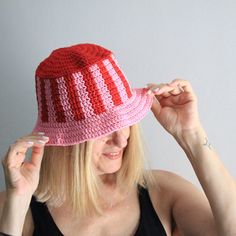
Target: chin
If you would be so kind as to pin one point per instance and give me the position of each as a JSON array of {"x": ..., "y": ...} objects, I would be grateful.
[
  {"x": 109, "y": 166},
  {"x": 110, "y": 170},
  {"x": 113, "y": 171}
]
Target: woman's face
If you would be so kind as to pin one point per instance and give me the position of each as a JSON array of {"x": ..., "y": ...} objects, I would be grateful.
[{"x": 108, "y": 151}]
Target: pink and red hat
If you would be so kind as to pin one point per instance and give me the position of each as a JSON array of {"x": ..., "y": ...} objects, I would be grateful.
[{"x": 83, "y": 94}]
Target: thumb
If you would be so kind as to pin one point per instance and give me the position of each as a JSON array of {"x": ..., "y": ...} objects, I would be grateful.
[{"x": 156, "y": 107}]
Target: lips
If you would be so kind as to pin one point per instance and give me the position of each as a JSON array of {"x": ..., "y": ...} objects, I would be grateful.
[{"x": 112, "y": 155}]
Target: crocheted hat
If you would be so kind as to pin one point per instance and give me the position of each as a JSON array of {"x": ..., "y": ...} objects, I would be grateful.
[{"x": 83, "y": 94}]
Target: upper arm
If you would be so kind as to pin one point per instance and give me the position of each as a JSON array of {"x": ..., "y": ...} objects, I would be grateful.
[{"x": 190, "y": 208}]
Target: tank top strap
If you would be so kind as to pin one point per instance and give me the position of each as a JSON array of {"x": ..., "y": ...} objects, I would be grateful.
[
  {"x": 149, "y": 223},
  {"x": 43, "y": 221}
]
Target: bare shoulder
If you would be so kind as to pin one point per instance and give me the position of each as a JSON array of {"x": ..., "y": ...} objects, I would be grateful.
[
  {"x": 189, "y": 206},
  {"x": 28, "y": 225},
  {"x": 164, "y": 192},
  {"x": 169, "y": 179},
  {"x": 178, "y": 189}
]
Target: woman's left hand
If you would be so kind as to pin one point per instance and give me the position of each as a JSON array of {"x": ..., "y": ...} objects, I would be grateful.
[{"x": 175, "y": 106}]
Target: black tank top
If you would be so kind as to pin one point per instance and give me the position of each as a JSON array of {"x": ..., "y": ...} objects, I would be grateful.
[{"x": 149, "y": 223}]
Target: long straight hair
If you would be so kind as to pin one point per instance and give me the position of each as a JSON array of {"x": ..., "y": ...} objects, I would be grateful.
[{"x": 67, "y": 174}]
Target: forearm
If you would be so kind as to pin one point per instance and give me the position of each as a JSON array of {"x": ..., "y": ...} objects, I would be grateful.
[
  {"x": 13, "y": 215},
  {"x": 218, "y": 185}
]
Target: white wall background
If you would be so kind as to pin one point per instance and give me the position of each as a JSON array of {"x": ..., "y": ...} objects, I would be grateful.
[{"x": 154, "y": 41}]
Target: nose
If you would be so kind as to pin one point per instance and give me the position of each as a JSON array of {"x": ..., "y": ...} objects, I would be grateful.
[{"x": 118, "y": 138}]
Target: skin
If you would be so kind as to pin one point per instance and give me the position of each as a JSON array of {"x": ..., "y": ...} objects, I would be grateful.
[
  {"x": 115, "y": 142},
  {"x": 177, "y": 202}
]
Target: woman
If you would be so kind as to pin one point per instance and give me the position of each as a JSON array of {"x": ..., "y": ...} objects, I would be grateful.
[{"x": 87, "y": 175}]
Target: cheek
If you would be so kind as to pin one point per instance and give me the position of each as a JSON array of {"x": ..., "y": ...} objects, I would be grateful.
[
  {"x": 127, "y": 133},
  {"x": 98, "y": 162},
  {"x": 96, "y": 154}
]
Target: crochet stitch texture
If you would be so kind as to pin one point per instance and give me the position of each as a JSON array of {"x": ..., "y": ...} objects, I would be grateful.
[{"x": 83, "y": 94}]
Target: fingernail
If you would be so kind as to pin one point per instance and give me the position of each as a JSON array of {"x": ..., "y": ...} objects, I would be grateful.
[
  {"x": 180, "y": 87},
  {"x": 40, "y": 133},
  {"x": 29, "y": 143},
  {"x": 149, "y": 91},
  {"x": 40, "y": 141},
  {"x": 156, "y": 90},
  {"x": 45, "y": 137}
]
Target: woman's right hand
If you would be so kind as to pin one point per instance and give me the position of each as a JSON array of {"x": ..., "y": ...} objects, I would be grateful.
[{"x": 22, "y": 177}]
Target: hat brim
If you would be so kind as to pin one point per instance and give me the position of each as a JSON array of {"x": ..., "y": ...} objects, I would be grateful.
[{"x": 127, "y": 114}]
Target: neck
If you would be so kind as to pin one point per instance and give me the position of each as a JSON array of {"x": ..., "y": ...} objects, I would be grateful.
[{"x": 108, "y": 180}]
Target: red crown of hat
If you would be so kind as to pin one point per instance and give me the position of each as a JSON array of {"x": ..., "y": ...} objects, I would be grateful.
[{"x": 82, "y": 94}]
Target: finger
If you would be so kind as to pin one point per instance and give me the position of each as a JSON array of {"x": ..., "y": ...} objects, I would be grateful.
[
  {"x": 170, "y": 101},
  {"x": 156, "y": 107},
  {"x": 37, "y": 156},
  {"x": 184, "y": 84},
  {"x": 176, "y": 90},
  {"x": 32, "y": 137},
  {"x": 22, "y": 144},
  {"x": 38, "y": 150},
  {"x": 168, "y": 90},
  {"x": 165, "y": 89},
  {"x": 17, "y": 151},
  {"x": 154, "y": 88},
  {"x": 167, "y": 94},
  {"x": 38, "y": 133}
]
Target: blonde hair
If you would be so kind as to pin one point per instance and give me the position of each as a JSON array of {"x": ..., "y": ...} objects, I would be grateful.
[{"x": 67, "y": 174}]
